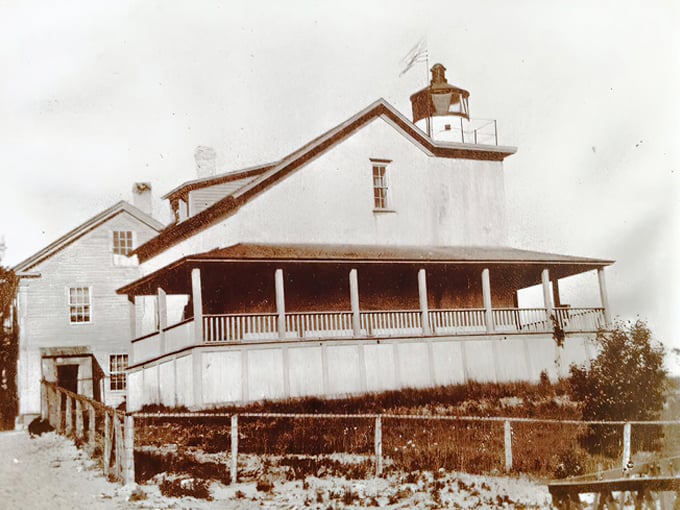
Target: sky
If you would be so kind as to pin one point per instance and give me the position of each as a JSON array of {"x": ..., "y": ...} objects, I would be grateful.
[{"x": 95, "y": 96}]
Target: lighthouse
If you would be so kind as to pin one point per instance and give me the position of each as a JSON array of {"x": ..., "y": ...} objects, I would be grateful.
[{"x": 442, "y": 111}]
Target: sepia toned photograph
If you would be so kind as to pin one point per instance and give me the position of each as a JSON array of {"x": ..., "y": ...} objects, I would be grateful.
[{"x": 325, "y": 255}]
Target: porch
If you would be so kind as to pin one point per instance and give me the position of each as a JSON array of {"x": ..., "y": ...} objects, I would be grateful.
[{"x": 307, "y": 293}]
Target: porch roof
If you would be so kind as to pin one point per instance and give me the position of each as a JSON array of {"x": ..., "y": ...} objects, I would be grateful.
[{"x": 560, "y": 265}]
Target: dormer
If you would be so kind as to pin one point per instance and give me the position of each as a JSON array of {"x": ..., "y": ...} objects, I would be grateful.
[{"x": 196, "y": 195}]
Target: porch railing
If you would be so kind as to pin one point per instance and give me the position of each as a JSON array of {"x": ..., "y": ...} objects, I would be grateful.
[
  {"x": 380, "y": 324},
  {"x": 319, "y": 324},
  {"x": 580, "y": 319},
  {"x": 392, "y": 323},
  {"x": 451, "y": 322},
  {"x": 240, "y": 327}
]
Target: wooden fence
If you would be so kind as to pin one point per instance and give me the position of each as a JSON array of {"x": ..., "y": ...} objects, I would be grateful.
[
  {"x": 106, "y": 433},
  {"x": 508, "y": 432}
]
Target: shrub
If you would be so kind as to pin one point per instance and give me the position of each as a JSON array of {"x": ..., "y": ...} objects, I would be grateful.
[{"x": 625, "y": 382}]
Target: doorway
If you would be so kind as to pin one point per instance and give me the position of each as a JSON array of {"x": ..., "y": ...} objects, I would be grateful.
[{"x": 67, "y": 377}]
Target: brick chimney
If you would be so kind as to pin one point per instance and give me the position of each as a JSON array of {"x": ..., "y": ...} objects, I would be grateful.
[
  {"x": 206, "y": 165},
  {"x": 141, "y": 197}
]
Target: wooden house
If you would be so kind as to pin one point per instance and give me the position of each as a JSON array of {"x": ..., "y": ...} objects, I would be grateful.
[
  {"x": 373, "y": 258},
  {"x": 73, "y": 327}
]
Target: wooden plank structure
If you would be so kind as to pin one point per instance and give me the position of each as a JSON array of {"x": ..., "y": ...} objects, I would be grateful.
[
  {"x": 643, "y": 486},
  {"x": 65, "y": 411}
]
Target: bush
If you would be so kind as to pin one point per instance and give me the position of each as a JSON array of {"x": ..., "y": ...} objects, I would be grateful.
[{"x": 625, "y": 382}]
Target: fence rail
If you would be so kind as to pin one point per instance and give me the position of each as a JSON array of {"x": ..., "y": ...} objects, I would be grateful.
[
  {"x": 112, "y": 434},
  {"x": 106, "y": 432},
  {"x": 382, "y": 436}
]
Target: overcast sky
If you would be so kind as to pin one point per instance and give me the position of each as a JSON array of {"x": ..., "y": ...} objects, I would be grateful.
[{"x": 97, "y": 95}]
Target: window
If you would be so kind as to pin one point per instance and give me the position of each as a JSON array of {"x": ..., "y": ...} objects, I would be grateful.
[
  {"x": 117, "y": 365},
  {"x": 122, "y": 242},
  {"x": 380, "y": 185},
  {"x": 79, "y": 304}
]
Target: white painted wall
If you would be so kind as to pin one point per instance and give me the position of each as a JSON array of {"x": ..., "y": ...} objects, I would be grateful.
[
  {"x": 252, "y": 372},
  {"x": 436, "y": 201},
  {"x": 44, "y": 310}
]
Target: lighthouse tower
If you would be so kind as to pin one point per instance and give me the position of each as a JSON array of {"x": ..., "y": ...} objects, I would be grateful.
[{"x": 441, "y": 110}]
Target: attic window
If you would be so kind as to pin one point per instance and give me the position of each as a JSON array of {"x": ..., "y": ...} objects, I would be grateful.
[
  {"x": 122, "y": 242},
  {"x": 122, "y": 245},
  {"x": 381, "y": 198}
]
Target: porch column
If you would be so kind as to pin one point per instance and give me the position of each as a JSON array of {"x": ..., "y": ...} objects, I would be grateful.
[
  {"x": 162, "y": 311},
  {"x": 354, "y": 301},
  {"x": 132, "y": 307},
  {"x": 486, "y": 294},
  {"x": 422, "y": 294},
  {"x": 557, "y": 302},
  {"x": 280, "y": 303},
  {"x": 603, "y": 296},
  {"x": 197, "y": 299},
  {"x": 547, "y": 298}
]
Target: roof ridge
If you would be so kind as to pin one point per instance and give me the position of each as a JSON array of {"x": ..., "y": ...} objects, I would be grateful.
[
  {"x": 73, "y": 234},
  {"x": 379, "y": 108}
]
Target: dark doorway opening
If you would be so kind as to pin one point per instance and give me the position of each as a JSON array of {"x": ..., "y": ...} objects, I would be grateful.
[{"x": 67, "y": 377}]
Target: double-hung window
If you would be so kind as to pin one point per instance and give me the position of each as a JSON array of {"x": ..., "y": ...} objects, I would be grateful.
[
  {"x": 117, "y": 365},
  {"x": 381, "y": 188},
  {"x": 122, "y": 242},
  {"x": 122, "y": 245},
  {"x": 79, "y": 304}
]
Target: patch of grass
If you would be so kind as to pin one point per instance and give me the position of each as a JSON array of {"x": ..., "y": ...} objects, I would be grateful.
[
  {"x": 180, "y": 487},
  {"x": 149, "y": 464}
]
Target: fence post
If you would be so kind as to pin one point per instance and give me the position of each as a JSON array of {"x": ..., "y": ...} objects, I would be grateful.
[
  {"x": 44, "y": 402},
  {"x": 91, "y": 432},
  {"x": 107, "y": 442},
  {"x": 79, "y": 419},
  {"x": 58, "y": 411},
  {"x": 51, "y": 405},
  {"x": 118, "y": 443},
  {"x": 378, "y": 446},
  {"x": 234, "y": 448},
  {"x": 508, "y": 446},
  {"x": 129, "y": 464},
  {"x": 625, "y": 458},
  {"x": 69, "y": 415}
]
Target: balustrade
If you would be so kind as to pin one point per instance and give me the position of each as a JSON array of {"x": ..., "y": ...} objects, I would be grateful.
[{"x": 394, "y": 323}]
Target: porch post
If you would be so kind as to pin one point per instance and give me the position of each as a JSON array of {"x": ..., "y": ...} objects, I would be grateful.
[
  {"x": 547, "y": 301},
  {"x": 280, "y": 303},
  {"x": 132, "y": 307},
  {"x": 422, "y": 294},
  {"x": 197, "y": 299},
  {"x": 486, "y": 294},
  {"x": 354, "y": 300},
  {"x": 162, "y": 311},
  {"x": 603, "y": 296},
  {"x": 557, "y": 302}
]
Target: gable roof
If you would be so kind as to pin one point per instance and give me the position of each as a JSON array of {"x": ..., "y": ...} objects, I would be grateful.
[
  {"x": 84, "y": 228},
  {"x": 270, "y": 176},
  {"x": 214, "y": 180},
  {"x": 486, "y": 256}
]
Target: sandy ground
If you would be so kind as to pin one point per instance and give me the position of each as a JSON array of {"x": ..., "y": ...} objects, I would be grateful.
[{"x": 50, "y": 472}]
